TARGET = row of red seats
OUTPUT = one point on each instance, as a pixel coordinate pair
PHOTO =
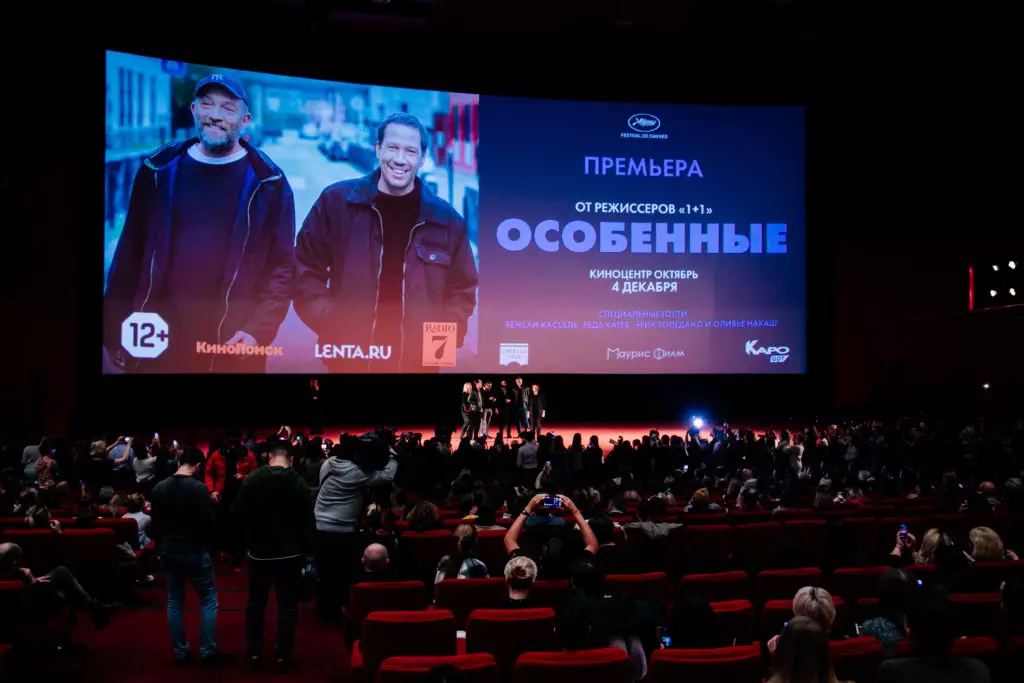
(401, 646)
(737, 618)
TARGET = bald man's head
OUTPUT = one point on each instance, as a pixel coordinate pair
(987, 488)
(375, 558)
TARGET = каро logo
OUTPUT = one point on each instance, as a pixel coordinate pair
(777, 354)
(644, 123)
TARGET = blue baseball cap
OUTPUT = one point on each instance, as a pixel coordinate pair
(226, 82)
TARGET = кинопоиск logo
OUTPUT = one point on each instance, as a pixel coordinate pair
(644, 123)
(776, 354)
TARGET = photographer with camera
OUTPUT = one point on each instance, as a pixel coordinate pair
(356, 464)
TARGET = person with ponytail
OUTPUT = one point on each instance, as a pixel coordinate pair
(461, 564)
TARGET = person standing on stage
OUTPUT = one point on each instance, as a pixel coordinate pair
(508, 411)
(537, 409)
(521, 400)
(490, 403)
(467, 409)
(315, 409)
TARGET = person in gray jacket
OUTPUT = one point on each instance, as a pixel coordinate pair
(355, 465)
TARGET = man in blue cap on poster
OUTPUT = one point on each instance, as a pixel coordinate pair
(207, 244)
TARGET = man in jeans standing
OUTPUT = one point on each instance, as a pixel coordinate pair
(183, 526)
(274, 510)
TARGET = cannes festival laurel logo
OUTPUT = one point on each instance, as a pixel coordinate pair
(644, 123)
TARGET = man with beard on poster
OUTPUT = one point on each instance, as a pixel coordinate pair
(381, 256)
(207, 244)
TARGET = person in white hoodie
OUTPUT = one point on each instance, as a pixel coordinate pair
(355, 465)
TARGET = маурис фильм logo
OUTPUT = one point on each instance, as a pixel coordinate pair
(644, 123)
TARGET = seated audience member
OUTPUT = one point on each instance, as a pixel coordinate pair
(814, 603)
(136, 510)
(932, 540)
(487, 514)
(542, 519)
(520, 573)
(38, 517)
(692, 625)
(748, 499)
(614, 621)
(930, 633)
(51, 594)
(987, 546)
(376, 565)
(803, 654)
(554, 560)
(614, 558)
(645, 524)
(461, 564)
(424, 516)
(88, 512)
(701, 503)
(890, 627)
(574, 628)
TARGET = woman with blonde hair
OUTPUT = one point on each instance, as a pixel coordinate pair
(932, 540)
(815, 604)
(987, 546)
(803, 654)
(467, 412)
(461, 564)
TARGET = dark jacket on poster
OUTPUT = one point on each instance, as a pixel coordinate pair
(339, 251)
(274, 509)
(258, 267)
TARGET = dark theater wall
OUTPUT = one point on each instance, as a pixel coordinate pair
(907, 144)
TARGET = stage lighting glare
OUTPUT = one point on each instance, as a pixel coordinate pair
(992, 292)
(986, 385)
(698, 422)
(1012, 264)
(1013, 292)
(995, 267)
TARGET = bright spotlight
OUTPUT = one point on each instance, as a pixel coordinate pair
(992, 292)
(1013, 292)
(985, 385)
(995, 267)
(698, 422)
(1012, 264)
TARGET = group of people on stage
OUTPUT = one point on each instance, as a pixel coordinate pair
(518, 405)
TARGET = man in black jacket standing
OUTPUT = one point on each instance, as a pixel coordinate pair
(183, 527)
(207, 244)
(274, 510)
(382, 256)
(537, 407)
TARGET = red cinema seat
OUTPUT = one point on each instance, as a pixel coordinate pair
(717, 587)
(126, 530)
(604, 665)
(782, 584)
(478, 668)
(987, 577)
(973, 614)
(691, 519)
(863, 533)
(857, 659)
(708, 547)
(866, 608)
(654, 587)
(984, 648)
(741, 664)
(856, 583)
(386, 596)
(552, 594)
(806, 538)
(757, 545)
(783, 516)
(490, 549)
(735, 621)
(508, 633)
(462, 596)
(419, 552)
(22, 625)
(925, 572)
(737, 517)
(429, 633)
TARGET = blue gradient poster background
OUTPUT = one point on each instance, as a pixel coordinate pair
(743, 313)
